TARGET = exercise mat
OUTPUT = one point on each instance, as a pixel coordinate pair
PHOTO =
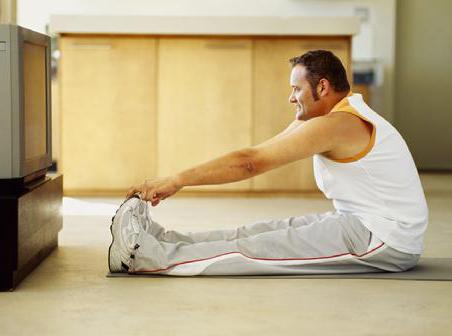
(428, 269)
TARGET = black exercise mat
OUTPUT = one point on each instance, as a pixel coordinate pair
(428, 269)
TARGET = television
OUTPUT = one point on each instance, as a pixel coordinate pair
(25, 105)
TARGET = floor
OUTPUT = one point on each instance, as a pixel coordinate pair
(68, 294)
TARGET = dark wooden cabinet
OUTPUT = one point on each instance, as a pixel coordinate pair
(30, 219)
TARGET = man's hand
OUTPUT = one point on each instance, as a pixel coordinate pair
(155, 190)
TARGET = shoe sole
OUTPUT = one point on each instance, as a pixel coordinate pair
(114, 258)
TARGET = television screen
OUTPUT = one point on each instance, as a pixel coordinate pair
(34, 74)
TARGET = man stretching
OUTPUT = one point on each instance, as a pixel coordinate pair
(361, 163)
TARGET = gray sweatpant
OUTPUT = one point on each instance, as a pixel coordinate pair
(325, 243)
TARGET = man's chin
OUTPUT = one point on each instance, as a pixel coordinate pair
(299, 115)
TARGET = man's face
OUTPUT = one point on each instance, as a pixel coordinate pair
(305, 105)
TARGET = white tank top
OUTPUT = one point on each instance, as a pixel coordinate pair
(380, 185)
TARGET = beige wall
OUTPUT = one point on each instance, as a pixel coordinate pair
(424, 80)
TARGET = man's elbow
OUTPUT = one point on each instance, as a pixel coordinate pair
(249, 161)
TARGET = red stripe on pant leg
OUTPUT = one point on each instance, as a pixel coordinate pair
(269, 259)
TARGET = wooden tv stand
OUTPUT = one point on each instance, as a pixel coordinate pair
(30, 219)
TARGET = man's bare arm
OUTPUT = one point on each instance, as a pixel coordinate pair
(298, 141)
(292, 126)
(238, 164)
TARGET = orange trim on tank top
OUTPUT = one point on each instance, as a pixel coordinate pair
(344, 106)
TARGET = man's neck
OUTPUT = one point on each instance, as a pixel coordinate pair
(335, 98)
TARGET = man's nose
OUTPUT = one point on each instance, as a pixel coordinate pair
(292, 98)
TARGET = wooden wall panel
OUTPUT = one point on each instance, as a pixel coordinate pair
(204, 90)
(136, 107)
(107, 111)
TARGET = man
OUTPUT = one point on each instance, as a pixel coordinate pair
(360, 162)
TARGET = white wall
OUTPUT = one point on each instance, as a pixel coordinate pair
(375, 42)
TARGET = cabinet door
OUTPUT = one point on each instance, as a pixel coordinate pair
(108, 112)
(272, 111)
(204, 90)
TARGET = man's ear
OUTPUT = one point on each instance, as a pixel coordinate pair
(323, 88)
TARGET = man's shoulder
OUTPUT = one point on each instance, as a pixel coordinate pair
(349, 123)
(333, 123)
(351, 133)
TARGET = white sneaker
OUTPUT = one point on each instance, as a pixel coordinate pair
(125, 227)
(143, 215)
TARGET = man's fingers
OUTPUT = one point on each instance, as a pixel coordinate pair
(144, 195)
(132, 191)
(129, 192)
(148, 195)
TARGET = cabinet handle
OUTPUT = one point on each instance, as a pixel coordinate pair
(333, 47)
(219, 45)
(91, 46)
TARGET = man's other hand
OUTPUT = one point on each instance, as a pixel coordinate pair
(155, 190)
